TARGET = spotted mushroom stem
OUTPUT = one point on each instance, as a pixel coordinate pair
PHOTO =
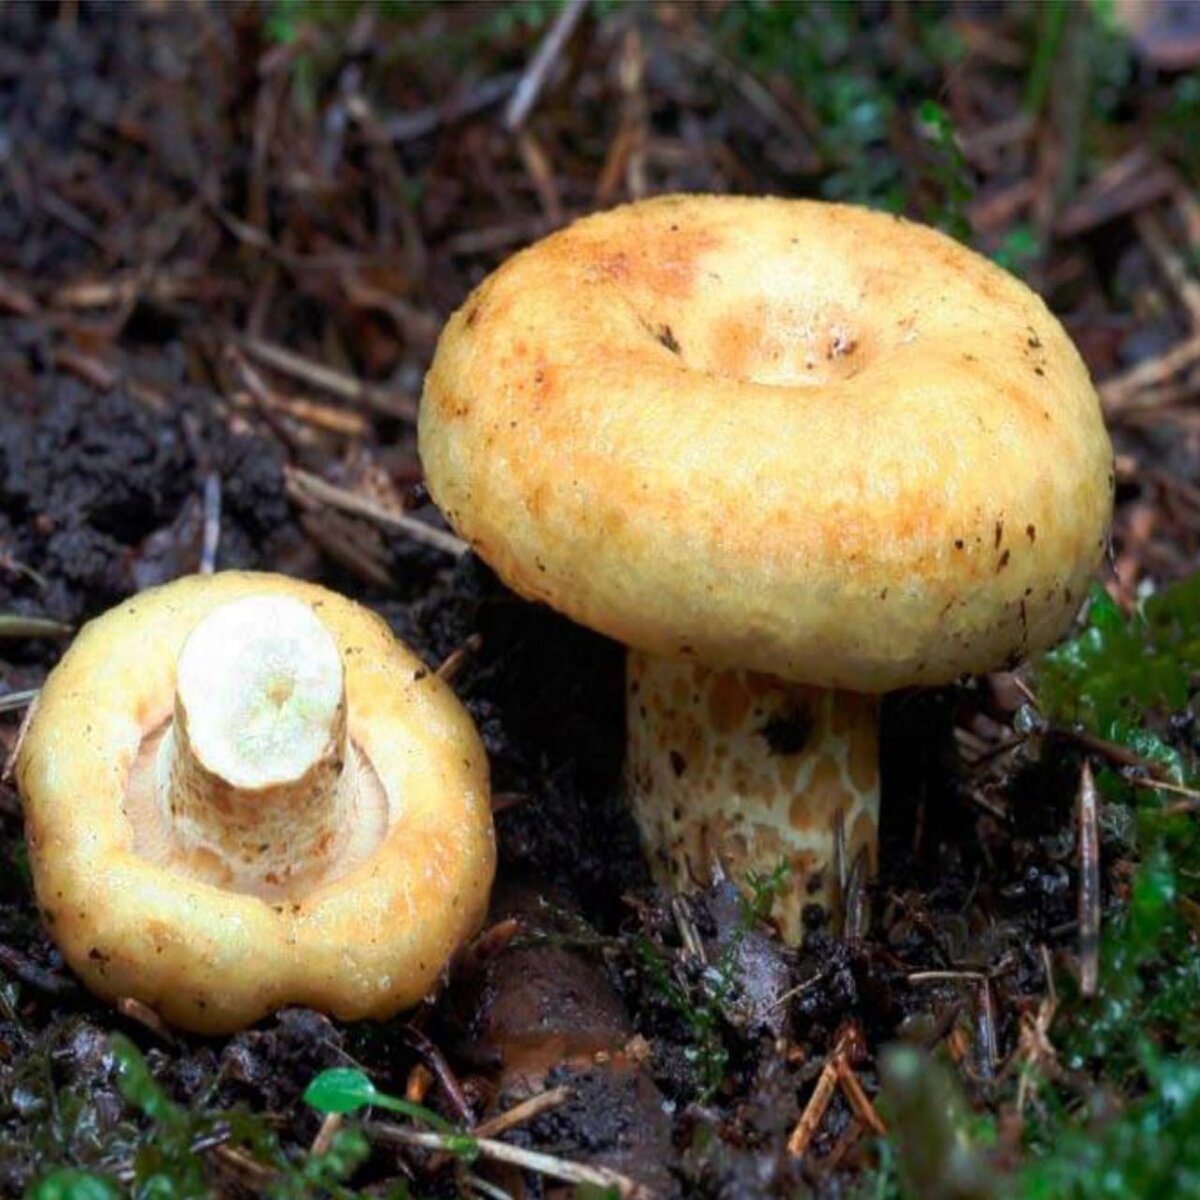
(250, 772)
(738, 771)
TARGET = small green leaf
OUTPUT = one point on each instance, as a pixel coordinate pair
(346, 1090)
(340, 1090)
(138, 1086)
(1154, 893)
(70, 1184)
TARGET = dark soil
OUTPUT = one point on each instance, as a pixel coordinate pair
(183, 183)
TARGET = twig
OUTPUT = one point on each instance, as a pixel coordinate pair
(1128, 390)
(15, 625)
(312, 491)
(212, 523)
(15, 300)
(1122, 756)
(945, 976)
(15, 701)
(436, 1062)
(527, 1160)
(416, 1086)
(985, 1020)
(534, 1106)
(1089, 884)
(850, 1137)
(689, 935)
(70, 216)
(407, 127)
(1130, 183)
(486, 946)
(292, 408)
(534, 79)
(985, 1027)
(325, 1135)
(87, 368)
(392, 171)
(860, 1102)
(256, 1174)
(815, 1109)
(146, 1017)
(1170, 262)
(794, 133)
(855, 907)
(124, 290)
(336, 383)
(541, 173)
(325, 417)
(1179, 807)
(497, 237)
(800, 988)
(453, 662)
(981, 147)
(8, 563)
(29, 973)
(10, 763)
(626, 158)
(490, 1190)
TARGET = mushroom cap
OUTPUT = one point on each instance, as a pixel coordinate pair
(807, 439)
(364, 944)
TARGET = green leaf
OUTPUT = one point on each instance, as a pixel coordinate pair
(941, 1152)
(340, 1090)
(346, 1090)
(1119, 669)
(1148, 1150)
(69, 1184)
(138, 1086)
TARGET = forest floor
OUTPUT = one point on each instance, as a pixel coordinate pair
(229, 236)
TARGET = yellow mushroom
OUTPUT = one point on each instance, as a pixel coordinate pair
(793, 455)
(241, 792)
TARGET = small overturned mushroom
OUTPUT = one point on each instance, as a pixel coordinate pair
(241, 792)
(793, 455)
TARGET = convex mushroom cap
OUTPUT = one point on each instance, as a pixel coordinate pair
(241, 792)
(769, 442)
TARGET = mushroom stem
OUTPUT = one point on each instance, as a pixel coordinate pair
(250, 772)
(740, 771)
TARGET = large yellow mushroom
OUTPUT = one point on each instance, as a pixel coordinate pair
(241, 792)
(793, 455)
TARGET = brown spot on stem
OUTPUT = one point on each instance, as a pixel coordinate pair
(825, 793)
(728, 702)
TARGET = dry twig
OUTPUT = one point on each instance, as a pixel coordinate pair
(325, 1135)
(1089, 884)
(409, 126)
(534, 78)
(211, 538)
(1134, 389)
(1170, 262)
(17, 625)
(311, 491)
(326, 379)
(859, 1101)
(815, 1109)
(50, 983)
(532, 1107)
(453, 662)
(528, 1160)
(436, 1062)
